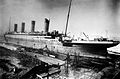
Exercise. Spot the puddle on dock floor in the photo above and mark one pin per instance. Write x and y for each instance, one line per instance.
(81, 73)
(70, 72)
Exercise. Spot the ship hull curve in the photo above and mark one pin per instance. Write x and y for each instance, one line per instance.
(57, 46)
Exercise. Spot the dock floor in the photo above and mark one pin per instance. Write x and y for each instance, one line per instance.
(47, 59)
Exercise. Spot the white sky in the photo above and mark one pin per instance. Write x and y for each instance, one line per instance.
(94, 17)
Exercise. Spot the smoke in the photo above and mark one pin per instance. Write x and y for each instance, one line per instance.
(51, 4)
(115, 5)
(89, 16)
(22, 11)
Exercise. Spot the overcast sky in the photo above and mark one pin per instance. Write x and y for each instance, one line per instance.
(94, 17)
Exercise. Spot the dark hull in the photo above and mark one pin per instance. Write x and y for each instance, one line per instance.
(64, 47)
(95, 48)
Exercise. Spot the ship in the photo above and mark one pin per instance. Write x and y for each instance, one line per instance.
(58, 42)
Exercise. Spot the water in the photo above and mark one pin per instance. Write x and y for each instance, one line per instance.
(80, 73)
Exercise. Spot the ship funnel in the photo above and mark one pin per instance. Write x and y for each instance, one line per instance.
(33, 26)
(47, 21)
(15, 27)
(23, 27)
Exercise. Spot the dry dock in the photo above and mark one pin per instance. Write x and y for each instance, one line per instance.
(78, 67)
(47, 59)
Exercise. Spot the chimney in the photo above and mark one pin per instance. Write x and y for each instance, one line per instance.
(33, 26)
(23, 27)
(47, 21)
(15, 27)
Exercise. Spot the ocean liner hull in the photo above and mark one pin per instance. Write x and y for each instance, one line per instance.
(81, 47)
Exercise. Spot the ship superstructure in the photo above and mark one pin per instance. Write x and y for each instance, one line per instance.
(56, 41)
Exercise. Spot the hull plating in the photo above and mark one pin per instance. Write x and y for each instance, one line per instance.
(83, 48)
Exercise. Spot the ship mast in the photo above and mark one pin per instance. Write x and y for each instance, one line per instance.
(68, 17)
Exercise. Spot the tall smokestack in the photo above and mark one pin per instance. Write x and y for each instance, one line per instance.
(47, 21)
(23, 27)
(33, 26)
(15, 27)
